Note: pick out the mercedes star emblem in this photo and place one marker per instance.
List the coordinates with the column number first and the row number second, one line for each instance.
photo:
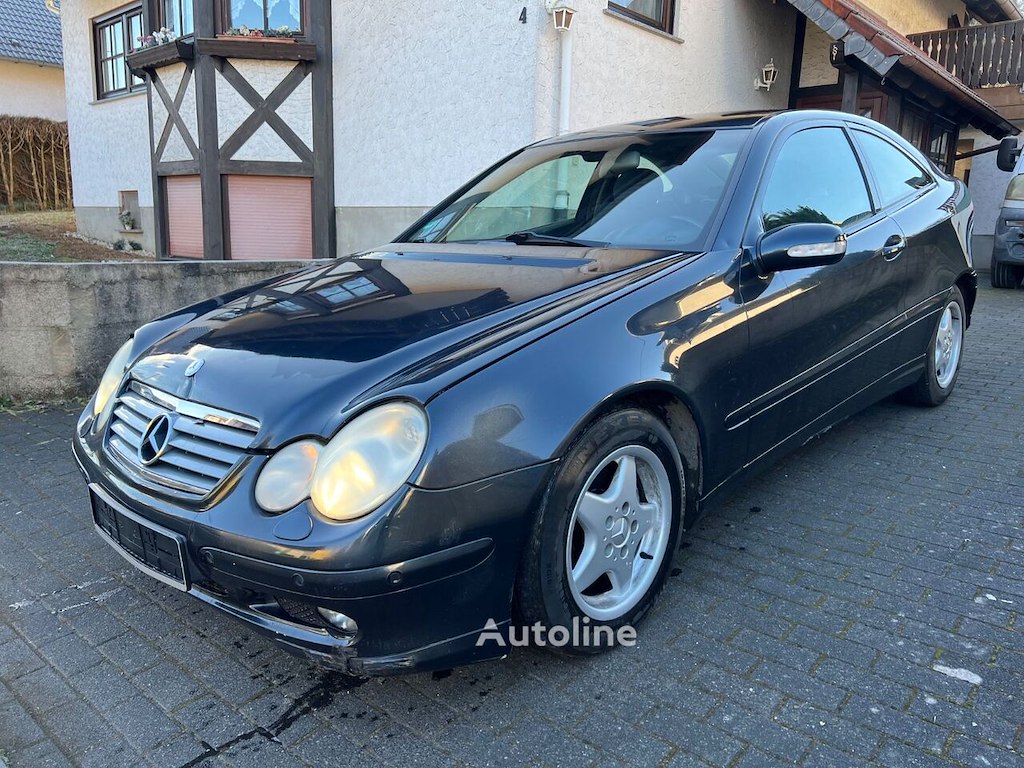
column 156, row 438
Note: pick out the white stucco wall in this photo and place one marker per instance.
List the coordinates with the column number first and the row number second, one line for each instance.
column 623, row 71
column 109, row 140
column 31, row 90
column 426, row 98
column 421, row 107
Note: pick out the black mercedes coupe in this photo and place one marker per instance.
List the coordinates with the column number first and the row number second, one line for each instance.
column 509, row 416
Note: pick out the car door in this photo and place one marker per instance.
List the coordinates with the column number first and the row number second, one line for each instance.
column 913, row 197
column 818, row 335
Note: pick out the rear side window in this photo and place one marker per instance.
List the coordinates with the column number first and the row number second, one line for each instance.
column 816, row 179
column 896, row 175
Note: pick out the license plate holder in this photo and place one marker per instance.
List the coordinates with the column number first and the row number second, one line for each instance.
column 153, row 549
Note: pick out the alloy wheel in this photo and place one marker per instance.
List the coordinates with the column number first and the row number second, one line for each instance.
column 619, row 532
column 948, row 344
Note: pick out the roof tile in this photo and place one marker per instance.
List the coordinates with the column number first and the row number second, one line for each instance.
column 29, row 31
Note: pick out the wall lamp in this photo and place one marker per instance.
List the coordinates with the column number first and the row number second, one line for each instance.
column 769, row 74
column 562, row 14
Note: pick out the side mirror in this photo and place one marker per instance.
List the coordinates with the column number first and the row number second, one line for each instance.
column 1006, row 160
column 797, row 246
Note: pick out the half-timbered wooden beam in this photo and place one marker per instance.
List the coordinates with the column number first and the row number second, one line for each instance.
column 264, row 111
column 325, row 240
column 174, row 119
column 205, row 15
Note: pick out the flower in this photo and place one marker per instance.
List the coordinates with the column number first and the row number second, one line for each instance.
column 127, row 219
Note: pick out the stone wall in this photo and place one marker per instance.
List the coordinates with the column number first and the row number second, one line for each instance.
column 61, row 323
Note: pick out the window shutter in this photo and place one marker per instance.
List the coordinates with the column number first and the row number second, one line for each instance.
column 184, row 216
column 270, row 217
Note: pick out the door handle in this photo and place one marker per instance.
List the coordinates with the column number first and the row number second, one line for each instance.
column 893, row 247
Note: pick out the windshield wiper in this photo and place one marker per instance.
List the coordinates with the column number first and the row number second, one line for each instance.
column 536, row 238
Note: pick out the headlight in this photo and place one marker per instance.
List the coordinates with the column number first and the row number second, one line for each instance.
column 285, row 480
column 356, row 472
column 369, row 460
column 112, row 378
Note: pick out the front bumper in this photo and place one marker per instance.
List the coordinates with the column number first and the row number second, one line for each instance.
column 419, row 604
column 1008, row 243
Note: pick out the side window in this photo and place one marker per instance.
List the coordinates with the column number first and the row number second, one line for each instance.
column 816, row 179
column 895, row 173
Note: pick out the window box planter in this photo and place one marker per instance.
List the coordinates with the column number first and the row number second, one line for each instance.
column 272, row 48
column 258, row 38
column 157, row 56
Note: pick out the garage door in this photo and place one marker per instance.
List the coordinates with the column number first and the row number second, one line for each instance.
column 270, row 217
column 184, row 216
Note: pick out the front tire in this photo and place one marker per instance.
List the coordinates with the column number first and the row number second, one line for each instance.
column 945, row 351
column 1005, row 275
column 603, row 540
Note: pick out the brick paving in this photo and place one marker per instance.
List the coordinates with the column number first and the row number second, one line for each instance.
column 860, row 604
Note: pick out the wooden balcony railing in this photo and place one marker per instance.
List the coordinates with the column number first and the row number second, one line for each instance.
column 986, row 55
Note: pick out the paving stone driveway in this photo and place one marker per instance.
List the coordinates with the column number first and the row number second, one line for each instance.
column 861, row 604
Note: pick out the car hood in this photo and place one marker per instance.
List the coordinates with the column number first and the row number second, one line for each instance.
column 297, row 352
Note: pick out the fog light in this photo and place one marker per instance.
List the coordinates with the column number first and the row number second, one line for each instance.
column 339, row 621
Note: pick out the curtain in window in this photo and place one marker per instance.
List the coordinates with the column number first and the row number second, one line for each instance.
column 279, row 13
column 652, row 9
column 247, row 13
column 283, row 13
column 178, row 16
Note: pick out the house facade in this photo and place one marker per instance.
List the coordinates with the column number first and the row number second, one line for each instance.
column 31, row 61
column 988, row 58
column 300, row 128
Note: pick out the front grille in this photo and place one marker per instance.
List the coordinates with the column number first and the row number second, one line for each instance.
column 203, row 445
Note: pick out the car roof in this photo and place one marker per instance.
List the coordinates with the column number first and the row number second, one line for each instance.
column 748, row 119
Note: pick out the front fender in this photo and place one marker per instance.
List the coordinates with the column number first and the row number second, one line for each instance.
column 681, row 334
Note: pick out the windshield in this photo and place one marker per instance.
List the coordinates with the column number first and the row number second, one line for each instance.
column 657, row 191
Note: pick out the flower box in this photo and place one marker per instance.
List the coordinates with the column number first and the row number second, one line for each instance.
column 156, row 56
column 258, row 38
column 239, row 47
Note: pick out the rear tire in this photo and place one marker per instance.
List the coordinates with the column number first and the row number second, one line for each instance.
column 602, row 543
column 1005, row 275
column 944, row 354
